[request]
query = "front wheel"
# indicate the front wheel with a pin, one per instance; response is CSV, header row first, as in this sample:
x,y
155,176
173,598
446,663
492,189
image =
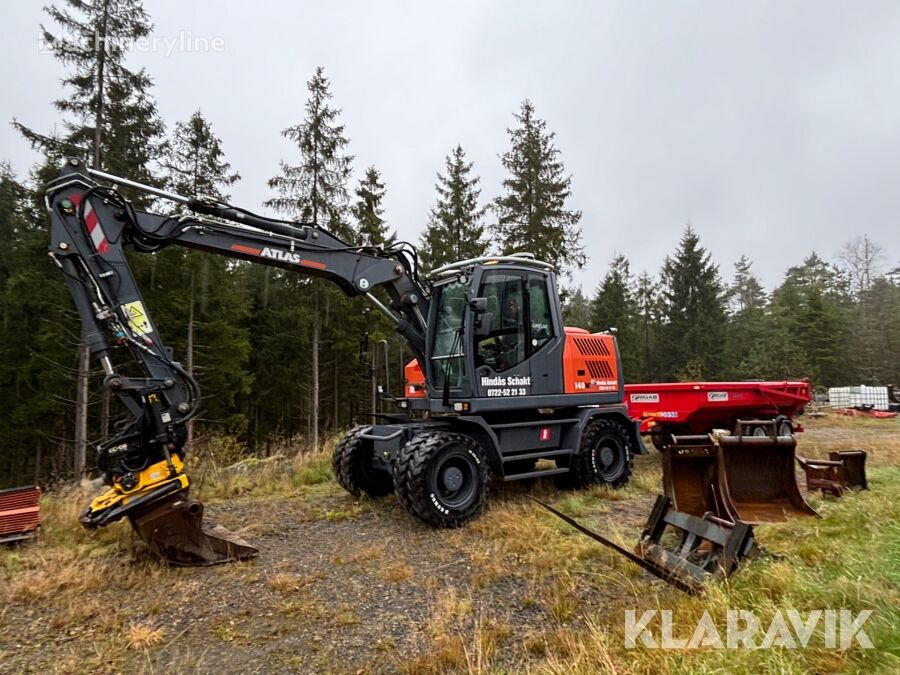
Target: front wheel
x,y
354,467
605,455
440,477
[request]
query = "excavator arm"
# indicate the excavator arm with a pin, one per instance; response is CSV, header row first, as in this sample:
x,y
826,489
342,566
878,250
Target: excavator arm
x,y
91,225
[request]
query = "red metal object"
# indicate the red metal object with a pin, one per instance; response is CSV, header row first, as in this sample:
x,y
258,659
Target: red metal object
x,y
862,412
20,513
700,407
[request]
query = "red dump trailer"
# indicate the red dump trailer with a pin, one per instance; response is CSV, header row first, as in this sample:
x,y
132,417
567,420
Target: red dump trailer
x,y
688,408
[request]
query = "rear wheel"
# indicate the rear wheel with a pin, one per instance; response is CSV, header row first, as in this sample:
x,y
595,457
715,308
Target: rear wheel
x,y
354,467
441,478
605,455
784,426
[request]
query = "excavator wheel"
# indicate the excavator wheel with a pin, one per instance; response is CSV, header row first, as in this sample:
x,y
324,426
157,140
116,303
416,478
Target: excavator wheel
x,y
354,469
441,478
604,457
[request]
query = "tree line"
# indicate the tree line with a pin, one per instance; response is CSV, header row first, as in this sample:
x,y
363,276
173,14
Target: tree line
x,y
279,355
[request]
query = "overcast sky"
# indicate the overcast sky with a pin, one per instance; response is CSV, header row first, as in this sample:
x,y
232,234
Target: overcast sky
x,y
772,127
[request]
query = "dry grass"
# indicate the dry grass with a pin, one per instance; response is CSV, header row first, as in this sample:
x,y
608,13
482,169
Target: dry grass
x,y
141,636
572,594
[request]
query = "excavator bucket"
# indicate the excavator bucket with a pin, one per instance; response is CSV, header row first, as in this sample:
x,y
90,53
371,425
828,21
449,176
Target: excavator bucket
x,y
690,475
756,477
174,529
743,477
823,474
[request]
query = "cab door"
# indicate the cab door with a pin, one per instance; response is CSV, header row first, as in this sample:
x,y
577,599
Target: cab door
x,y
514,356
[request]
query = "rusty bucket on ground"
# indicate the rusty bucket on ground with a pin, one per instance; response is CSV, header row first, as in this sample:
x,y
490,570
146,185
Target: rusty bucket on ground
x,y
823,474
854,467
174,529
742,477
843,469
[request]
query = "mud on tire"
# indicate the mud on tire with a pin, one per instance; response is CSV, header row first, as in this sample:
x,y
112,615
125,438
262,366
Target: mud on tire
x,y
606,455
440,477
354,469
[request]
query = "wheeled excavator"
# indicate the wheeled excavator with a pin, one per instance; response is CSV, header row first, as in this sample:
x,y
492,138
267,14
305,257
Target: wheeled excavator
x,y
498,385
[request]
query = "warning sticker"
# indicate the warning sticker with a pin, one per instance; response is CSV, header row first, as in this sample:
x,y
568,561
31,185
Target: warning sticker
x,y
138,320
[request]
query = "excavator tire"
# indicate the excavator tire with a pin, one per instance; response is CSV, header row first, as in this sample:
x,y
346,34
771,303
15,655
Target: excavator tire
x,y
605,456
441,478
353,468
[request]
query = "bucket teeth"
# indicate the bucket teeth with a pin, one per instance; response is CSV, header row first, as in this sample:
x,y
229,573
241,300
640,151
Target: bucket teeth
x,y
174,529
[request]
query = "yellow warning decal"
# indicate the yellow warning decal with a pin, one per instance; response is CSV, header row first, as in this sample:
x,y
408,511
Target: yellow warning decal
x,y
138,320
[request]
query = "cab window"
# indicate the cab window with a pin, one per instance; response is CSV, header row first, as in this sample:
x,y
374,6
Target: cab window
x,y
505,345
539,316
447,350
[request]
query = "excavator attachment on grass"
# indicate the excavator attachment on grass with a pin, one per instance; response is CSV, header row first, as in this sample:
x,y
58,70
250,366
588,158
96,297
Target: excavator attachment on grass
x,y
757,476
747,478
691,549
166,518
681,549
843,469
174,529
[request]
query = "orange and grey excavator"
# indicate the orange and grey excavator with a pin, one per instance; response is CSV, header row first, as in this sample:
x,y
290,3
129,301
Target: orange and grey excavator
x,y
498,383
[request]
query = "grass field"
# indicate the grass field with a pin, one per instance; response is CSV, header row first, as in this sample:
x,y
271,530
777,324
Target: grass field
x,y
358,586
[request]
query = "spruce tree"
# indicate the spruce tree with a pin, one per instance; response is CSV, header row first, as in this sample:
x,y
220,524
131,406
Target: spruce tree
x,y
748,326
455,230
315,189
810,312
577,310
614,307
369,213
693,302
647,303
110,118
209,321
531,213
195,162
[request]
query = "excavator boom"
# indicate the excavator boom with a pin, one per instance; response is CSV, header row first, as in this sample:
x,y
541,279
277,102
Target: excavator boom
x,y
143,462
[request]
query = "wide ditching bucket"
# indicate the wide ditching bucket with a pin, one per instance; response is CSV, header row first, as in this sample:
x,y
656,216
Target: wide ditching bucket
x,y
174,529
738,478
757,476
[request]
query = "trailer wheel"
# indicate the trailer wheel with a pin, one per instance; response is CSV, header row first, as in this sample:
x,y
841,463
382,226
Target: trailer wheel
x,y
784,426
354,468
440,477
605,456
661,438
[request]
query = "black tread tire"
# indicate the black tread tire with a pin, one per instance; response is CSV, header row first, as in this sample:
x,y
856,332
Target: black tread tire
x,y
783,423
351,461
412,475
658,439
586,469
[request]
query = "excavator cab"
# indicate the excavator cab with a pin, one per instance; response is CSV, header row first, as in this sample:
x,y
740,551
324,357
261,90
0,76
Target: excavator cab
x,y
497,342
